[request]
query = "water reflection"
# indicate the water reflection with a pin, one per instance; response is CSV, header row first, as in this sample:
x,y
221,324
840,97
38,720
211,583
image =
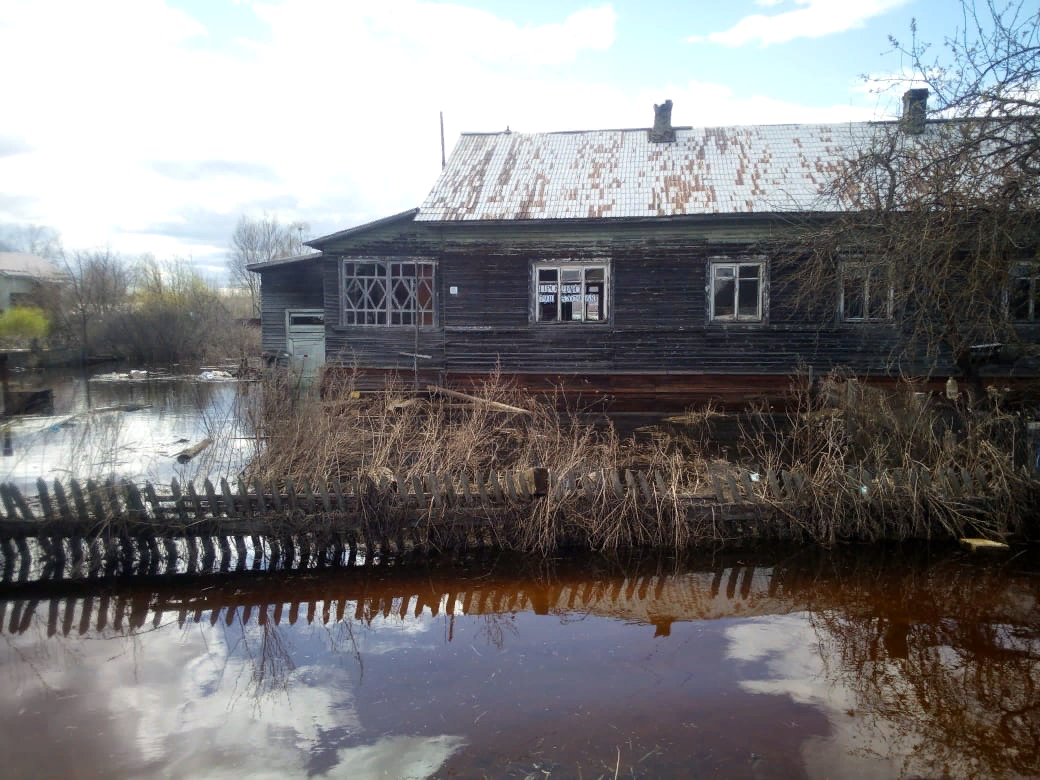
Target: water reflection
x,y
807,666
128,429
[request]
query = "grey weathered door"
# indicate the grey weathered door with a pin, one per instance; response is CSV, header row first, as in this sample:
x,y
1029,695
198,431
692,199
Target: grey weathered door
x,y
305,340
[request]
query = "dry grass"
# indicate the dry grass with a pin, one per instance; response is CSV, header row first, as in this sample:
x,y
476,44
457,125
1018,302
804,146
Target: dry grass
x,y
830,437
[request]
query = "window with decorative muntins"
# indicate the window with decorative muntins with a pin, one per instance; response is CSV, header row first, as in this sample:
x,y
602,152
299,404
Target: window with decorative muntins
x,y
571,292
388,292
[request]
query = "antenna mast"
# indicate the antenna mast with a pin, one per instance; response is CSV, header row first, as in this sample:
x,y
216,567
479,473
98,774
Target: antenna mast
x,y
443,160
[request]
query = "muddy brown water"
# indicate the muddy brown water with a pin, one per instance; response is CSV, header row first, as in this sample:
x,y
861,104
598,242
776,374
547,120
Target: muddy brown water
x,y
790,664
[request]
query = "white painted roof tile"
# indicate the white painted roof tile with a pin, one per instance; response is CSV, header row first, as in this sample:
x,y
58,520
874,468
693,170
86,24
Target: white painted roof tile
x,y
620,173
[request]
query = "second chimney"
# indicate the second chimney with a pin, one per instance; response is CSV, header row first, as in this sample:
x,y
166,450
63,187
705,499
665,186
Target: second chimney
x,y
915,110
662,132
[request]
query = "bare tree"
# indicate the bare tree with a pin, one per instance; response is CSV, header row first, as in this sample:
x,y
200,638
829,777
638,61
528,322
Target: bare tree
x,y
261,241
32,239
940,208
98,282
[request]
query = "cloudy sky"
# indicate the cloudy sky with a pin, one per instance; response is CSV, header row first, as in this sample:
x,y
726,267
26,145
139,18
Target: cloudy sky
x,y
151,125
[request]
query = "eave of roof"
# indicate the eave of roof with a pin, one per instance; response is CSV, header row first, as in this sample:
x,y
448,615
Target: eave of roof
x,y
282,261
322,241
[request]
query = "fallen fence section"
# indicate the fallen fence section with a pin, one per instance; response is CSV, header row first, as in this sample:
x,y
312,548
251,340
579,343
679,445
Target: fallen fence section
x,y
104,529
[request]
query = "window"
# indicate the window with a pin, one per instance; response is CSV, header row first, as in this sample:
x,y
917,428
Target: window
x,y
736,291
571,292
866,293
1024,289
387,292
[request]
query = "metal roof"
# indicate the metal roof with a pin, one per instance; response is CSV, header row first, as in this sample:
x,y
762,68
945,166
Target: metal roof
x,y
280,261
23,264
357,229
620,173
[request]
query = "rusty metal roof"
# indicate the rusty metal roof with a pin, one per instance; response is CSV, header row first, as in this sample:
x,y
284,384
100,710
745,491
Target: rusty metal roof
x,y
620,173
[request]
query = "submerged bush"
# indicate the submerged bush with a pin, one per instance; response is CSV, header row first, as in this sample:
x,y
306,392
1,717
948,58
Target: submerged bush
x,y
21,325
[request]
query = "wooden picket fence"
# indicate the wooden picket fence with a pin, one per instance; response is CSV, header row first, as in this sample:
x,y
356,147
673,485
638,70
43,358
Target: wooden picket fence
x,y
110,528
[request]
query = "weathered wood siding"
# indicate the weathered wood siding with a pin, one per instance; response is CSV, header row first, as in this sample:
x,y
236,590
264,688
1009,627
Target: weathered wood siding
x,y
658,321
297,286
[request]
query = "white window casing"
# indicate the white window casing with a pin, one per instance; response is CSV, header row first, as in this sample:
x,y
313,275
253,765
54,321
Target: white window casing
x,y
736,289
866,293
571,291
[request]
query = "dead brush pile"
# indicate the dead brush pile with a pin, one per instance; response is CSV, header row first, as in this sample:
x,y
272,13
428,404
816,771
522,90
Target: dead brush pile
x,y
340,434
875,463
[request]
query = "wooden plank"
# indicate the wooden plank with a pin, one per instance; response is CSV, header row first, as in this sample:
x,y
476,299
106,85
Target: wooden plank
x,y
78,501
229,499
431,483
732,482
261,508
420,494
12,510
308,498
21,503
467,498
615,482
178,500
157,510
135,503
716,484
774,484
45,501
276,497
112,493
323,492
290,494
211,497
494,488
510,487
341,501
644,487
243,499
748,485
482,492
196,501
662,487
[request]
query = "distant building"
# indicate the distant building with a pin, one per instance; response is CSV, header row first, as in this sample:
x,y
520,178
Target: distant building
x,y
21,275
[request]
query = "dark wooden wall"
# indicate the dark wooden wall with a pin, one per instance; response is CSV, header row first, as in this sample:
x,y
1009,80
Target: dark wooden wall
x,y
658,321
296,286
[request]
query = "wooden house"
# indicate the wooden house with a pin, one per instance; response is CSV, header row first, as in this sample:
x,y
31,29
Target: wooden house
x,y
625,262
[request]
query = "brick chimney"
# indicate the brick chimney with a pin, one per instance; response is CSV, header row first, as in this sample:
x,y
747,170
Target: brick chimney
x,y
662,132
915,110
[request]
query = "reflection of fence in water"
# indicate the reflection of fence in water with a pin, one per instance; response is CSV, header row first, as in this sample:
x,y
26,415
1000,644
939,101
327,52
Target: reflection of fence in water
x,y
658,599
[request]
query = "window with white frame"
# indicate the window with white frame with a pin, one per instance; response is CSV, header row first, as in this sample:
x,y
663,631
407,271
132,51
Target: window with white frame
x,y
388,292
571,292
736,290
1025,286
866,293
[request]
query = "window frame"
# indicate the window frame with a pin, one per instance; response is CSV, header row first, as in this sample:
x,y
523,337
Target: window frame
x,y
561,264
388,281
865,267
758,261
1031,272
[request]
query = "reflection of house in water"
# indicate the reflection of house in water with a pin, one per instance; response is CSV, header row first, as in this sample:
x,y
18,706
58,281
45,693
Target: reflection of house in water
x,y
650,599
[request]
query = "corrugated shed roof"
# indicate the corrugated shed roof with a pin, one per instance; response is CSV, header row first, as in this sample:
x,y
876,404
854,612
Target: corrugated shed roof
x,y
621,174
23,264
280,261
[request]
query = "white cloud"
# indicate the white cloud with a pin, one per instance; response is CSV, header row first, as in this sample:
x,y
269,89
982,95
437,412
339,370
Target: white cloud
x,y
815,19
335,107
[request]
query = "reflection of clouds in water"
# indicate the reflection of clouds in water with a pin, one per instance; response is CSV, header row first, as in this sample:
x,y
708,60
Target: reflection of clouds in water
x,y
789,647
182,704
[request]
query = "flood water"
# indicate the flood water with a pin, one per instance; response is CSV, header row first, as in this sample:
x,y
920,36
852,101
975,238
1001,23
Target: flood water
x,y
127,429
849,664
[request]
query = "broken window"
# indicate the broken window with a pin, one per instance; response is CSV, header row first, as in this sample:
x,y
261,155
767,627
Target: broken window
x,y
866,293
736,291
1024,290
388,292
571,292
